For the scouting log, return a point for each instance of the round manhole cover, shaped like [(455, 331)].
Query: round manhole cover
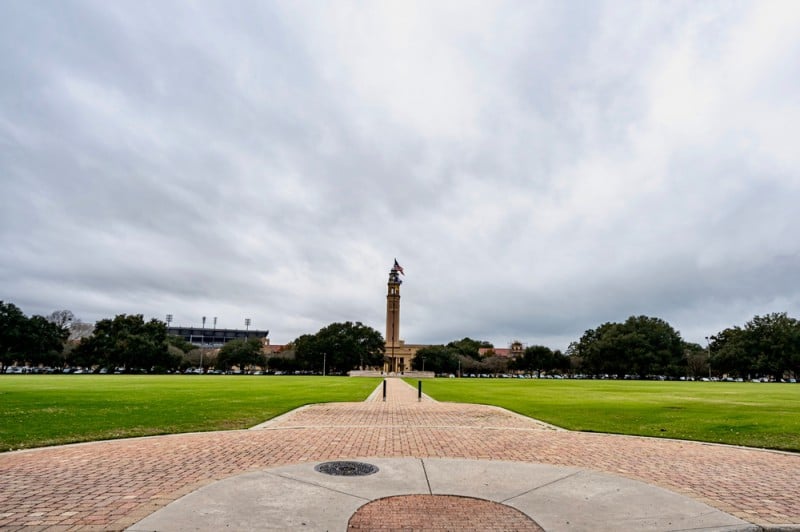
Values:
[(346, 469)]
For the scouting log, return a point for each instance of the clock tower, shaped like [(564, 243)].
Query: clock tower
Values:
[(394, 364)]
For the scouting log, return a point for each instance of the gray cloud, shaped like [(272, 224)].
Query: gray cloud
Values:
[(537, 169)]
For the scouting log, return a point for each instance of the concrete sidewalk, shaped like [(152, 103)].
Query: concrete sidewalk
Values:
[(556, 498)]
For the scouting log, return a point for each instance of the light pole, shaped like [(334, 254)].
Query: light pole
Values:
[(708, 341), (423, 363), (169, 320), (202, 344), (324, 362), (247, 324), (214, 334)]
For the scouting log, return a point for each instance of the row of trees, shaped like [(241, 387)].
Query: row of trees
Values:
[(640, 346), (458, 355), (337, 348), (464, 357), (766, 346), (37, 340), (60, 339), (128, 342), (244, 354), (538, 358)]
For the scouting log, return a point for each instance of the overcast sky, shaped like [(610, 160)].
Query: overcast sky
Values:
[(538, 168)]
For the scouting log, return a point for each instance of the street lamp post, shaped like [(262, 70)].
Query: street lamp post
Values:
[(169, 320), (423, 363), (202, 344), (324, 362), (708, 341)]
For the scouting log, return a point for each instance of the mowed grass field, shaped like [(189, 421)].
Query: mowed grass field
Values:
[(752, 414), (40, 410)]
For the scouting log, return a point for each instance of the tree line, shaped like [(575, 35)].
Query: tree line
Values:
[(333, 350), (640, 347), (465, 357), (765, 347), (129, 343), (35, 340)]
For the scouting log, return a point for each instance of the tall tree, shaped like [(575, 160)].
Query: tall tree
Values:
[(127, 341), (13, 325), (774, 341), (697, 359), (341, 347), (535, 359), (468, 347), (62, 318), (495, 364), (766, 346), (241, 353), (180, 343), (561, 362), (642, 346), (44, 341), (600, 352), (729, 353), (33, 340), (436, 358)]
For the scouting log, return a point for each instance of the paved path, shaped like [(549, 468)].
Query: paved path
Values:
[(437, 494), (114, 484)]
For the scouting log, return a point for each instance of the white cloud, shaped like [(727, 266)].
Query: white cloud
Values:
[(537, 168)]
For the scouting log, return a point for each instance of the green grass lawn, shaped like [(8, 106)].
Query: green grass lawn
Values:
[(751, 414), (40, 410)]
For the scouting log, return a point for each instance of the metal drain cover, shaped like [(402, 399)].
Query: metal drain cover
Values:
[(346, 469)]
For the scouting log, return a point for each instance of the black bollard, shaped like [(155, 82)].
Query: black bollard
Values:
[(384, 390), (419, 391)]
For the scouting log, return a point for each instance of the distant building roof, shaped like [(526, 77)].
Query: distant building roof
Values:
[(507, 352), (208, 337), (269, 348)]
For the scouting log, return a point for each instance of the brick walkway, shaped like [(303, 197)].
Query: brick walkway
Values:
[(439, 512), (111, 485)]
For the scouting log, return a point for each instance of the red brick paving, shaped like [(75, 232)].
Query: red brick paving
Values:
[(111, 485), (440, 512)]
